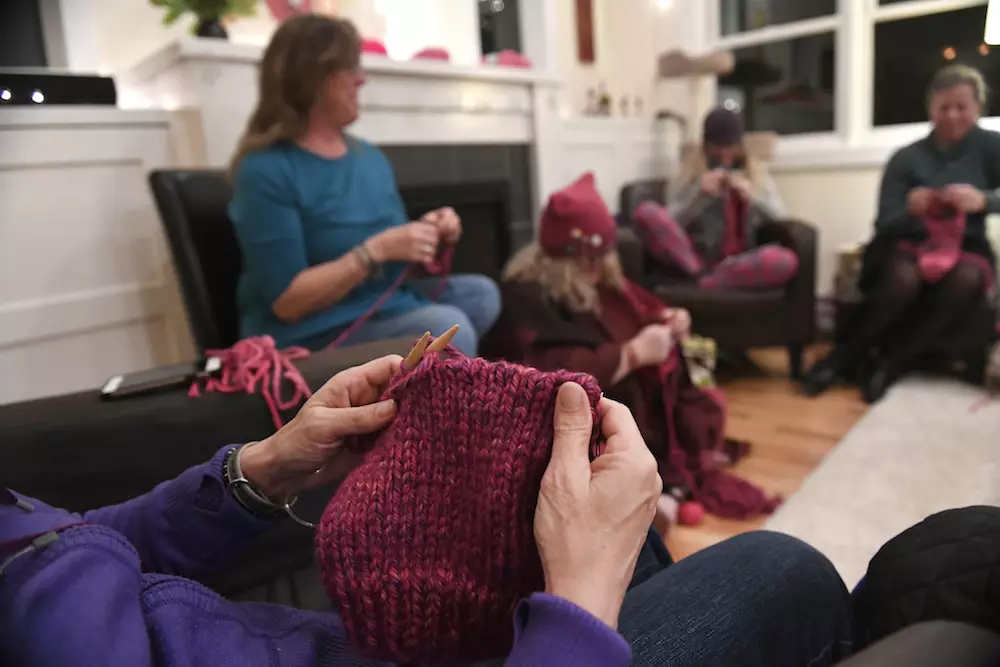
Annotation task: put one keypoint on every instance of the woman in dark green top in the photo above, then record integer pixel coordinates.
(957, 165)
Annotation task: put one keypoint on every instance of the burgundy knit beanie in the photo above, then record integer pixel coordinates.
(722, 128)
(576, 222)
(428, 545)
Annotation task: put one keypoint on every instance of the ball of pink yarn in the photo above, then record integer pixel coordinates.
(691, 513)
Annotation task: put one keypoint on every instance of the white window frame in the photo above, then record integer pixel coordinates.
(854, 139)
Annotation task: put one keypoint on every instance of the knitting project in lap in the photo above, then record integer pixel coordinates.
(428, 545)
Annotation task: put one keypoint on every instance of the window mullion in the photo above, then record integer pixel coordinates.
(855, 73)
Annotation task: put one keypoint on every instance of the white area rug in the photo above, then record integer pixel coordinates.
(916, 453)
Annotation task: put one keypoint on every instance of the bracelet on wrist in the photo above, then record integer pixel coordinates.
(250, 496)
(372, 267)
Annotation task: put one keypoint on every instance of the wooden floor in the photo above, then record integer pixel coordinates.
(789, 436)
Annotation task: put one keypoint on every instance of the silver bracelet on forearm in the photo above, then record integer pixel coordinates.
(373, 268)
(251, 497)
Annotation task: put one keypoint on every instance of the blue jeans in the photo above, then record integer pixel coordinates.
(470, 301)
(757, 600)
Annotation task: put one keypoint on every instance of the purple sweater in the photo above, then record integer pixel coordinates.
(118, 587)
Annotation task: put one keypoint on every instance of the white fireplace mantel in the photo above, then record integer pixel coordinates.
(402, 103)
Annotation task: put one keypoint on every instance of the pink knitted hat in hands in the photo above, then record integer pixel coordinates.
(428, 545)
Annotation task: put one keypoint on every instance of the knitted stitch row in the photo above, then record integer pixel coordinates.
(428, 545)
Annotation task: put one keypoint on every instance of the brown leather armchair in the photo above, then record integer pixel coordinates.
(737, 320)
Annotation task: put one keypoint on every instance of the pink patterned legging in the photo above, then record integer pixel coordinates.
(765, 267)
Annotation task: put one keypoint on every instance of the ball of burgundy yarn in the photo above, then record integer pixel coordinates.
(428, 545)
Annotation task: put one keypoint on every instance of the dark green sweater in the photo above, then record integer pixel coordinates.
(974, 161)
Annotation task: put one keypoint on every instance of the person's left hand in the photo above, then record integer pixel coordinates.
(447, 222)
(965, 198)
(679, 321)
(306, 453)
(742, 186)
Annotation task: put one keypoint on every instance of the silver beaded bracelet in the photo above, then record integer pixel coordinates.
(252, 498)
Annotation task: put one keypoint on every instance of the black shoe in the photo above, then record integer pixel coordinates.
(824, 373)
(875, 387)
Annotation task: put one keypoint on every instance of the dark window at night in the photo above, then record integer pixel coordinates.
(785, 87)
(21, 41)
(743, 15)
(499, 25)
(910, 51)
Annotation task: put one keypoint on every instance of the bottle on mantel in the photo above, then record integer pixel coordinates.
(603, 100)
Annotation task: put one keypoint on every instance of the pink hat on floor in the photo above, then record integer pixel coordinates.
(373, 47)
(433, 53)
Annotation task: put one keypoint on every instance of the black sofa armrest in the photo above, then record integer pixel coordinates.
(634, 193)
(803, 239)
(79, 452)
(933, 644)
(632, 255)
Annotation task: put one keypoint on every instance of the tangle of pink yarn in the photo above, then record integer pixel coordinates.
(256, 364)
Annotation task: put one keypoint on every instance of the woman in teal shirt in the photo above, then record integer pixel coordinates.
(958, 164)
(318, 217)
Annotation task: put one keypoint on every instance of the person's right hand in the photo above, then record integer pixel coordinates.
(412, 242)
(652, 345)
(713, 181)
(918, 201)
(592, 517)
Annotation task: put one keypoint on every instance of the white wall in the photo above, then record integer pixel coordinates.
(629, 36)
(110, 35)
(86, 288)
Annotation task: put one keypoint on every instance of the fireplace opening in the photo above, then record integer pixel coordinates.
(485, 210)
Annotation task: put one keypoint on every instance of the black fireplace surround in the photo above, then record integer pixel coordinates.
(489, 187)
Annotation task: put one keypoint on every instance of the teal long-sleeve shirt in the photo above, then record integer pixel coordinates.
(974, 161)
(293, 209)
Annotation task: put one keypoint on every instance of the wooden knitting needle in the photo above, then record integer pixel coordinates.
(417, 353)
(441, 341)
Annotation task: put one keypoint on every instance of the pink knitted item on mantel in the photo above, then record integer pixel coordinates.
(428, 545)
(373, 47)
(433, 53)
(507, 58)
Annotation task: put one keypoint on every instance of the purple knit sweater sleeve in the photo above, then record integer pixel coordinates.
(190, 526)
(552, 632)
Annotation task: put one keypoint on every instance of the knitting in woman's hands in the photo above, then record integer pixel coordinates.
(651, 346)
(307, 452)
(592, 517)
(413, 242)
(447, 222)
(428, 545)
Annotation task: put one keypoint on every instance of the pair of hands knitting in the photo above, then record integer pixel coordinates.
(715, 181)
(416, 241)
(591, 518)
(653, 345)
(964, 198)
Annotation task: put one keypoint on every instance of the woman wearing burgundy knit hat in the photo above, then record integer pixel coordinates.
(571, 307)
(706, 233)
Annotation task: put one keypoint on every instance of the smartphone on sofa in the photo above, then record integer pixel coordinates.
(159, 379)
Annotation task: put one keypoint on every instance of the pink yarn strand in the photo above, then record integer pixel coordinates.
(256, 365)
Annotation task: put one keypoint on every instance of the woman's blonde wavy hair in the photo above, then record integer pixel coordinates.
(561, 279)
(304, 52)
